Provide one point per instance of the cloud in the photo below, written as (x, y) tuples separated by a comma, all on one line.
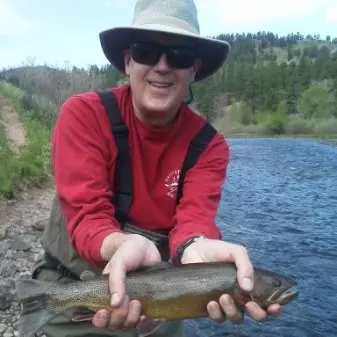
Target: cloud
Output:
[(246, 11), (121, 5), (12, 23), (331, 14)]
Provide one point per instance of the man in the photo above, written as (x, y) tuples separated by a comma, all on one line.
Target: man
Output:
[(162, 53)]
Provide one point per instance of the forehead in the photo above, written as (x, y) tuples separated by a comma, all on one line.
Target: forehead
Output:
[(164, 38)]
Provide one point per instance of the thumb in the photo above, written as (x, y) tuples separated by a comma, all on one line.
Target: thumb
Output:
[(106, 270), (117, 274), (245, 270)]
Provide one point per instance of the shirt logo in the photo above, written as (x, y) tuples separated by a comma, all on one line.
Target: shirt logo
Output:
[(171, 183)]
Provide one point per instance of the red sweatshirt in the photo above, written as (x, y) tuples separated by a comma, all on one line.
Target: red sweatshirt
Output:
[(84, 153)]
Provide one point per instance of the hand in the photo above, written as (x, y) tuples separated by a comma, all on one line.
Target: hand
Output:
[(207, 250), (134, 252)]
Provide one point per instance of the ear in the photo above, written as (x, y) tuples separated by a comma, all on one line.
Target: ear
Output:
[(196, 67), (127, 60)]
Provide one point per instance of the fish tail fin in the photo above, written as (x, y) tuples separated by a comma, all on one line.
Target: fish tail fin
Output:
[(148, 326), (31, 323), (33, 296)]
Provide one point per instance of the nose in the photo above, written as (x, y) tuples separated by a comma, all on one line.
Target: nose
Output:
[(162, 64)]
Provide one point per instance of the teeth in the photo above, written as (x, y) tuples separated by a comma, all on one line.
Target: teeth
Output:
[(160, 85)]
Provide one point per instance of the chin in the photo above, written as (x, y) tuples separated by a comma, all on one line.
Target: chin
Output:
[(160, 113), (159, 105)]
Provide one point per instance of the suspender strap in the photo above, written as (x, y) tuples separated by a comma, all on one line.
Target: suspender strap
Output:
[(197, 145), (123, 173)]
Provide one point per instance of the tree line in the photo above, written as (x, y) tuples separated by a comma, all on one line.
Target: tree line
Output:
[(263, 70)]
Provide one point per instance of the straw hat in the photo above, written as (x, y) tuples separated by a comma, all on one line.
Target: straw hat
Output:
[(169, 16)]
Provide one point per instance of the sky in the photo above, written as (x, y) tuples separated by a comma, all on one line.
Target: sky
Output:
[(65, 32)]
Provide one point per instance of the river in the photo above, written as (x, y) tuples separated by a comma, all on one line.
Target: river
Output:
[(280, 201)]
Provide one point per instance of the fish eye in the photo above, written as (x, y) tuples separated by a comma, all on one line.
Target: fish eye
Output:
[(277, 283)]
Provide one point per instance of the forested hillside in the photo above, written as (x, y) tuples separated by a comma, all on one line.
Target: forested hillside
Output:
[(269, 84), (265, 69)]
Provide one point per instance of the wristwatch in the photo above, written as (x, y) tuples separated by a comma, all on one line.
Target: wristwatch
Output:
[(181, 249)]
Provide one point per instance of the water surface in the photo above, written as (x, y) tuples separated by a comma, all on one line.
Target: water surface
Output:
[(280, 201)]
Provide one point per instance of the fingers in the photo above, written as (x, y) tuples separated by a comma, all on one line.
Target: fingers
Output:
[(255, 311), (134, 253), (101, 319), (215, 312), (117, 282), (230, 309), (274, 310), (127, 316), (118, 315), (226, 308), (133, 316)]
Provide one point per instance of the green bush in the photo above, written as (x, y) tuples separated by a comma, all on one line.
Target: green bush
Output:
[(298, 126), (326, 127), (241, 113), (317, 102), (276, 122), (28, 102), (255, 129)]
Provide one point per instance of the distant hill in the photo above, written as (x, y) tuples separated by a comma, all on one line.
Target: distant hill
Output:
[(263, 70), (23, 71)]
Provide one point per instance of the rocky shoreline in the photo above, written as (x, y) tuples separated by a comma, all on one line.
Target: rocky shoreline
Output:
[(21, 223)]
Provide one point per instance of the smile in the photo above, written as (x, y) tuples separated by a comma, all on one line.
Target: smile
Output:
[(160, 85)]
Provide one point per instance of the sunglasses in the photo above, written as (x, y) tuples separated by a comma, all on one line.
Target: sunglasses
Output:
[(149, 53)]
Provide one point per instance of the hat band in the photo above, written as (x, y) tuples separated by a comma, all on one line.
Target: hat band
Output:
[(174, 23)]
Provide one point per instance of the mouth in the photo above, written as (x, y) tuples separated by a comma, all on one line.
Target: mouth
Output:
[(160, 85), (284, 296)]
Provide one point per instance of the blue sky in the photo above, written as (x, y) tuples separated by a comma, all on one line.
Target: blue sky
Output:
[(61, 32)]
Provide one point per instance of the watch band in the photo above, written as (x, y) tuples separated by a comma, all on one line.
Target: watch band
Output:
[(188, 242)]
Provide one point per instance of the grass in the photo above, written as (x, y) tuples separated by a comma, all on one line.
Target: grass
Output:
[(38, 112), (42, 91), (31, 167), (293, 126), (307, 44)]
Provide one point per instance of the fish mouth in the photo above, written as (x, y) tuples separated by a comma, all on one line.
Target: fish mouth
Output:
[(284, 296)]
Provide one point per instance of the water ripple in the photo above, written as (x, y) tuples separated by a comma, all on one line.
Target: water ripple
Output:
[(280, 201)]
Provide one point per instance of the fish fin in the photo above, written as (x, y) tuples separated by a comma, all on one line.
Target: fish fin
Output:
[(87, 275), (83, 314), (33, 295), (31, 323), (27, 288), (148, 326), (82, 318)]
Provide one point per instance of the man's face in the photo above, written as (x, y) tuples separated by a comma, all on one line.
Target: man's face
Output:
[(159, 88)]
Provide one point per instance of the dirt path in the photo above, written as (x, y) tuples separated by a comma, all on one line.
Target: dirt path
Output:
[(15, 132), (21, 223)]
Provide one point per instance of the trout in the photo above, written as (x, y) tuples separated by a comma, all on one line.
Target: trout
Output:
[(166, 292)]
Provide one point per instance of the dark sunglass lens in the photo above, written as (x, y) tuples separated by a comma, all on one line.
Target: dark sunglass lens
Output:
[(145, 53), (181, 58)]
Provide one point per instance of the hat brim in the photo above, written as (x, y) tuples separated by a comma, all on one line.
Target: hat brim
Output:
[(212, 52)]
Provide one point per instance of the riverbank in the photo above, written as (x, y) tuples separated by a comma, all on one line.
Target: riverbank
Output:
[(25, 131), (332, 138), (24, 144), (22, 220)]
